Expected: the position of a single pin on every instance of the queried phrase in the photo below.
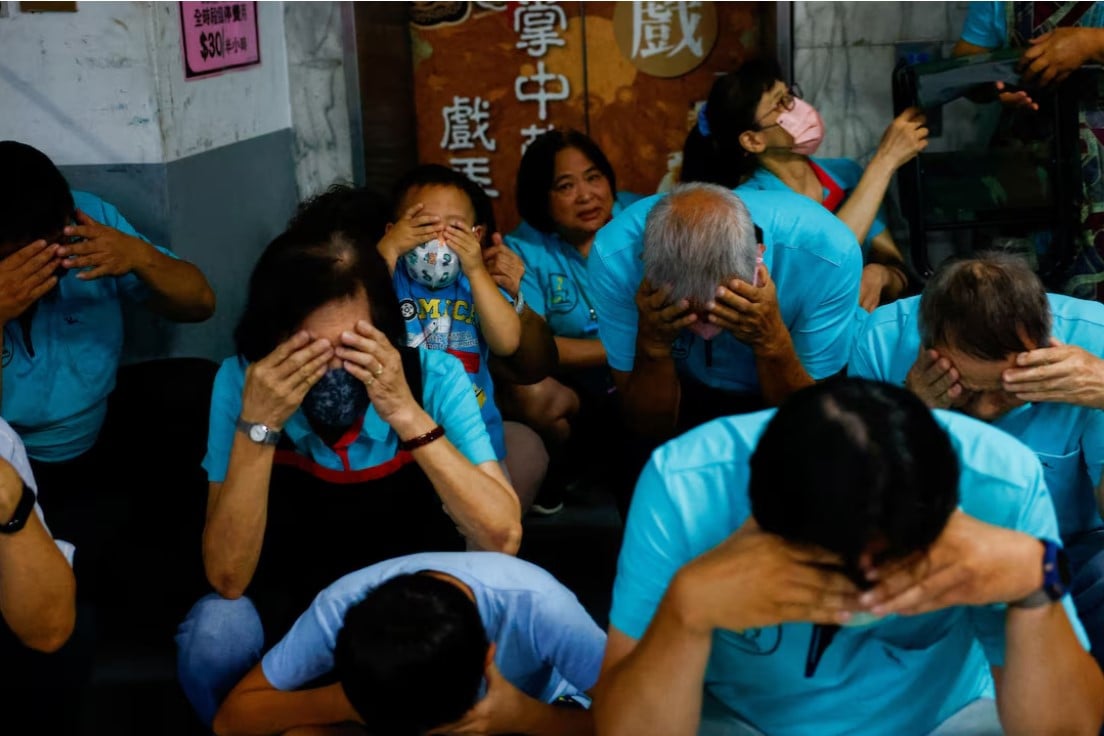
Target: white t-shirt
(12, 450)
(547, 645)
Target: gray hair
(696, 238)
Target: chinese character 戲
(655, 24)
(466, 123)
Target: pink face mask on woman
(804, 125)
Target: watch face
(258, 433)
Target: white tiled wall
(844, 57)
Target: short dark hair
(424, 175)
(537, 172)
(411, 655)
(719, 158)
(327, 253)
(848, 462)
(35, 201)
(987, 307)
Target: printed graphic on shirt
(561, 297)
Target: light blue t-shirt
(445, 319)
(986, 23)
(902, 676)
(56, 380)
(812, 257)
(547, 645)
(845, 172)
(1068, 439)
(446, 395)
(555, 283)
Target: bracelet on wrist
(423, 439)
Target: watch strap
(22, 513)
(519, 303)
(271, 436)
(1056, 578)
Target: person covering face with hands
(977, 341)
(867, 589)
(451, 301)
(331, 445)
(701, 338)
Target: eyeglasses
(785, 103)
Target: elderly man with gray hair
(739, 301)
(987, 340)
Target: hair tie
(703, 123)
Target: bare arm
(179, 291)
(653, 686)
(1049, 683)
(751, 314)
(237, 506)
(37, 588)
(580, 352)
(499, 322)
(255, 707)
(905, 137)
(478, 499)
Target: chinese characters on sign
(218, 36)
(538, 25)
(665, 39)
(466, 125)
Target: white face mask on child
(433, 263)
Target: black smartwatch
(22, 512)
(1056, 578)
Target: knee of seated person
(216, 624)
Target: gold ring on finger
(378, 371)
(370, 381)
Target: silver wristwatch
(259, 433)
(519, 303)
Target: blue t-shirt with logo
(555, 283)
(445, 319)
(812, 257)
(57, 375)
(901, 676)
(845, 172)
(1068, 439)
(546, 644)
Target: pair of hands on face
(276, 384)
(414, 228)
(1058, 373)
(749, 313)
(30, 272)
(971, 563)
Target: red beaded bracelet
(423, 439)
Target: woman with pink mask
(756, 133)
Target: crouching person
(866, 590)
(433, 643)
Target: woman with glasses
(755, 132)
(566, 191)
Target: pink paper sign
(218, 36)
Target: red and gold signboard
(489, 77)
